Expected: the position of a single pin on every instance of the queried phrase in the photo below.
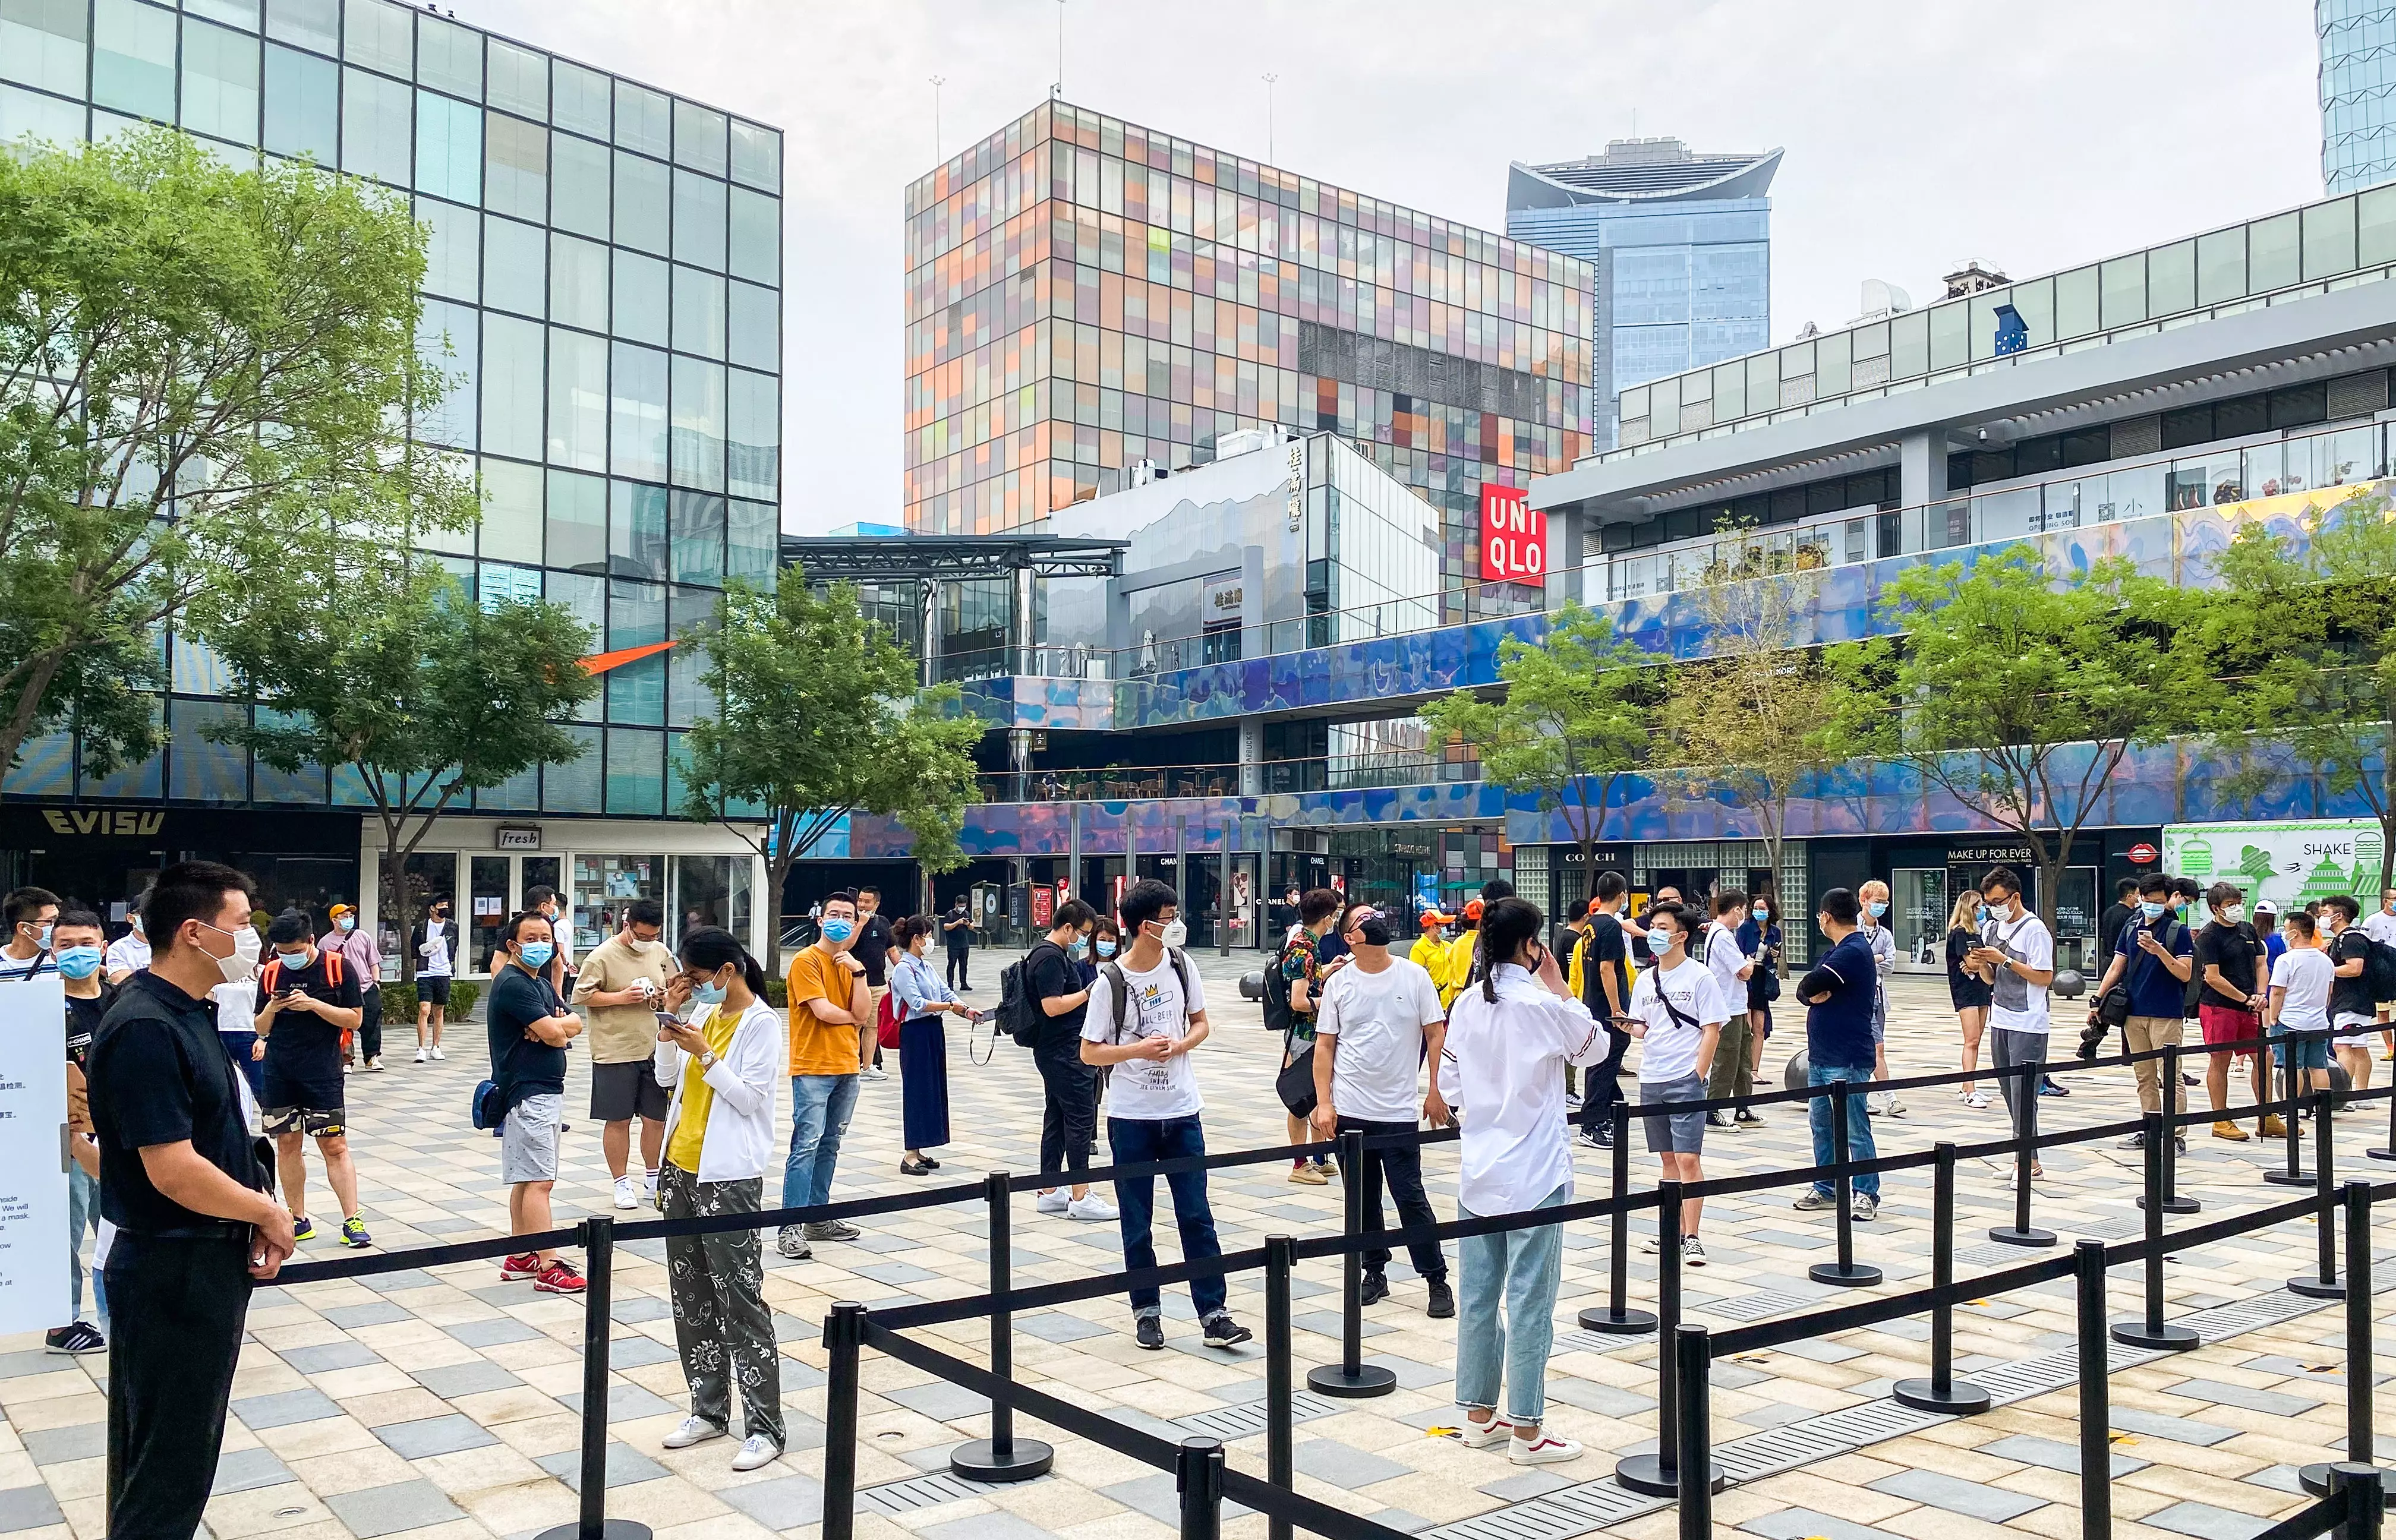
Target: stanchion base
(2311, 1287)
(2314, 1479)
(2289, 1178)
(2005, 1235)
(1370, 1379)
(2376, 1155)
(1962, 1398)
(979, 1462)
(1650, 1474)
(2175, 1204)
(616, 1529)
(2163, 1339)
(1628, 1323)
(1856, 1275)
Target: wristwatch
(707, 1059)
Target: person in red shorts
(2229, 964)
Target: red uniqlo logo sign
(1513, 539)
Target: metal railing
(1266, 777)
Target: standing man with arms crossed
(828, 1001)
(1840, 995)
(622, 984)
(181, 1185)
(363, 957)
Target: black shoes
(1222, 1331)
(1443, 1300)
(1148, 1331)
(1376, 1289)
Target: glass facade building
(2358, 93)
(1682, 248)
(603, 280)
(1083, 294)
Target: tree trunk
(778, 874)
(394, 867)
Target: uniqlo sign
(1513, 539)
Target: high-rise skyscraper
(1682, 247)
(2358, 92)
(1084, 294)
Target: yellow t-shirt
(698, 1096)
(819, 1047)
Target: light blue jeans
(83, 1213)
(1523, 1267)
(1859, 1134)
(821, 1107)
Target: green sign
(2290, 863)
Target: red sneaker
(559, 1277)
(514, 1267)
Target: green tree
(2305, 631)
(379, 662)
(1570, 725)
(2017, 694)
(816, 716)
(195, 361)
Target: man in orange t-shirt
(828, 1002)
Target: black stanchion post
(1659, 1475)
(843, 1336)
(2095, 1411)
(2293, 1173)
(2175, 1105)
(1618, 1318)
(1697, 1493)
(2153, 1331)
(2359, 1372)
(599, 1276)
(2324, 1283)
(2021, 1232)
(2366, 1489)
(1280, 1259)
(1844, 1272)
(1199, 1475)
(1001, 1457)
(1354, 1378)
(1942, 1391)
(2387, 1151)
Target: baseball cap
(1430, 919)
(1472, 908)
(340, 910)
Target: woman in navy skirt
(923, 1045)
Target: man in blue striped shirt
(28, 913)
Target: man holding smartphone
(620, 984)
(307, 998)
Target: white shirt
(739, 1143)
(2307, 974)
(2018, 1004)
(128, 951)
(1151, 1090)
(1378, 1019)
(433, 949)
(2379, 925)
(1723, 960)
(1668, 1052)
(1503, 1070)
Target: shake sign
(1513, 539)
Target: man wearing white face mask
(307, 998)
(130, 953)
(29, 912)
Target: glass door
(1918, 905)
(2076, 917)
(604, 886)
(487, 909)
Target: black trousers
(1601, 1084)
(956, 976)
(1403, 1166)
(370, 1023)
(178, 1306)
(1069, 1118)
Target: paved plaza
(444, 1403)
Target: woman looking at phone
(721, 1066)
(923, 1045)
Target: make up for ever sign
(1513, 539)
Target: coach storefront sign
(517, 837)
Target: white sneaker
(1092, 1207)
(1053, 1202)
(755, 1451)
(1896, 1108)
(424, 1056)
(437, 1053)
(693, 1430)
(375, 1063)
(874, 1075)
(1474, 1435)
(627, 1193)
(1977, 1100)
(1547, 1449)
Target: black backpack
(1278, 1014)
(2379, 970)
(1121, 986)
(1019, 1006)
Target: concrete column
(1252, 756)
(1922, 468)
(931, 632)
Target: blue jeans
(821, 1107)
(83, 1213)
(1859, 1134)
(1523, 1267)
(1135, 1140)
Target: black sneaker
(80, 1337)
(1376, 1289)
(1596, 1138)
(1223, 1332)
(1148, 1331)
(1443, 1300)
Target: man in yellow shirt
(828, 1002)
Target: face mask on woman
(709, 993)
(1106, 945)
(1762, 915)
(1876, 908)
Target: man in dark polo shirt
(181, 1182)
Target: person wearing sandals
(721, 1067)
(923, 1045)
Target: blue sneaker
(353, 1231)
(302, 1228)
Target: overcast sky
(2030, 135)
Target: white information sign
(33, 1283)
(2289, 862)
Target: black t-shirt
(303, 1049)
(1050, 974)
(2235, 951)
(1608, 948)
(2352, 996)
(1960, 942)
(523, 1066)
(84, 1018)
(959, 938)
(159, 1075)
(2110, 926)
(873, 943)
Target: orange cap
(340, 910)
(1472, 909)
(1430, 919)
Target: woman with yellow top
(721, 1065)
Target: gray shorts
(528, 1139)
(1674, 1133)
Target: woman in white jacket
(722, 1066)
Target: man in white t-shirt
(1677, 1011)
(2301, 983)
(1380, 1022)
(1733, 1073)
(2018, 951)
(130, 953)
(1147, 1010)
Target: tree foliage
(195, 361)
(1571, 725)
(816, 717)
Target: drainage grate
(1775, 1449)
(1248, 1418)
(1560, 1514)
(922, 1492)
(1759, 1306)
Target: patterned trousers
(721, 1323)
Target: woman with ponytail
(1509, 1035)
(722, 1061)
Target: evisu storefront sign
(130, 823)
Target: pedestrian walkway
(445, 1404)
